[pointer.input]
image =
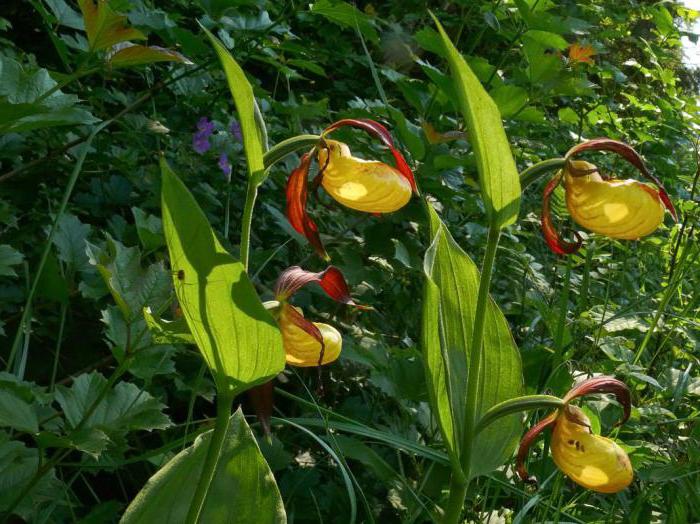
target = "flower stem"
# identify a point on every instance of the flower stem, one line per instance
(458, 492)
(249, 206)
(534, 172)
(458, 488)
(224, 401)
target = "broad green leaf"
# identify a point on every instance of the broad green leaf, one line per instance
(449, 306)
(149, 229)
(168, 331)
(547, 39)
(16, 413)
(104, 27)
(236, 335)
(498, 176)
(242, 491)
(346, 15)
(510, 99)
(24, 105)
(69, 240)
(242, 93)
(129, 55)
(9, 257)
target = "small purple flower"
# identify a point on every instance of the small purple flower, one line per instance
(235, 130)
(225, 165)
(200, 140)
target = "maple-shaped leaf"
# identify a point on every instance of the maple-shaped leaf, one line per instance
(104, 27)
(581, 54)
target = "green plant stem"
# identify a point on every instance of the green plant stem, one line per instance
(224, 402)
(563, 310)
(458, 492)
(457, 486)
(534, 172)
(247, 221)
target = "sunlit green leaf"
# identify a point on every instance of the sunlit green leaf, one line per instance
(104, 27)
(129, 55)
(242, 491)
(449, 306)
(237, 336)
(498, 176)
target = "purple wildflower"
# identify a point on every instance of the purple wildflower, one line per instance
(235, 129)
(200, 140)
(225, 165)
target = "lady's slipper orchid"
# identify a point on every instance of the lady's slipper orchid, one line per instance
(364, 185)
(594, 462)
(307, 343)
(621, 209)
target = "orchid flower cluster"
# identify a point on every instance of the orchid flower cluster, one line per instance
(619, 209)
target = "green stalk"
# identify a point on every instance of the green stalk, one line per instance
(458, 492)
(249, 206)
(563, 309)
(224, 402)
(534, 172)
(458, 488)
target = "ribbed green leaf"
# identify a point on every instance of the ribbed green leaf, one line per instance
(498, 176)
(242, 491)
(237, 337)
(449, 306)
(243, 97)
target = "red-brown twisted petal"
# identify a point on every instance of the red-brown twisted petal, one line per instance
(629, 154)
(262, 399)
(525, 444)
(300, 321)
(551, 235)
(604, 384)
(382, 133)
(331, 281)
(297, 193)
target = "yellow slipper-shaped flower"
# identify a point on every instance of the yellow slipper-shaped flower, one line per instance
(304, 349)
(594, 462)
(622, 209)
(364, 185)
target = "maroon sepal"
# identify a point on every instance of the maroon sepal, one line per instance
(262, 399)
(604, 384)
(331, 281)
(551, 235)
(297, 193)
(382, 133)
(629, 154)
(525, 444)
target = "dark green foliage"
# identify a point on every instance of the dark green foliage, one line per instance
(96, 401)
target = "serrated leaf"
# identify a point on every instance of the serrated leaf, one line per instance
(9, 257)
(449, 306)
(238, 338)
(129, 55)
(132, 286)
(243, 489)
(498, 176)
(346, 15)
(69, 240)
(16, 413)
(124, 408)
(24, 106)
(104, 27)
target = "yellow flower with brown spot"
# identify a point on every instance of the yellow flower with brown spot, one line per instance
(621, 209)
(592, 461)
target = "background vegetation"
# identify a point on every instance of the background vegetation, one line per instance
(628, 309)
